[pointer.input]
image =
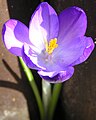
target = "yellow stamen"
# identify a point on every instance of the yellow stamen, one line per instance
(51, 46)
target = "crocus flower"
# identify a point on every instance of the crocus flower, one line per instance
(53, 44)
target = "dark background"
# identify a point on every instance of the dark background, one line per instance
(78, 95)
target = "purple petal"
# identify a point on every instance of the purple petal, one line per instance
(27, 61)
(66, 54)
(46, 73)
(32, 54)
(60, 77)
(42, 60)
(47, 62)
(43, 25)
(14, 34)
(73, 23)
(87, 51)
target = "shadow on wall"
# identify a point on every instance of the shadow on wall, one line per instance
(22, 86)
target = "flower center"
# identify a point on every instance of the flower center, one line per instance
(51, 45)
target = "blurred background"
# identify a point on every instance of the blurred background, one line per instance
(77, 99)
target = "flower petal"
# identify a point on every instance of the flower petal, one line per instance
(31, 53)
(73, 23)
(43, 26)
(60, 77)
(42, 61)
(14, 34)
(87, 51)
(27, 60)
(46, 73)
(66, 54)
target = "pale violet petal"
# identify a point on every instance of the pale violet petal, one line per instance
(87, 51)
(73, 24)
(60, 77)
(66, 54)
(43, 26)
(14, 34)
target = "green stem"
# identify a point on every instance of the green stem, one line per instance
(34, 87)
(54, 100)
(46, 95)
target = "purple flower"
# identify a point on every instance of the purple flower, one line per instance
(53, 44)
